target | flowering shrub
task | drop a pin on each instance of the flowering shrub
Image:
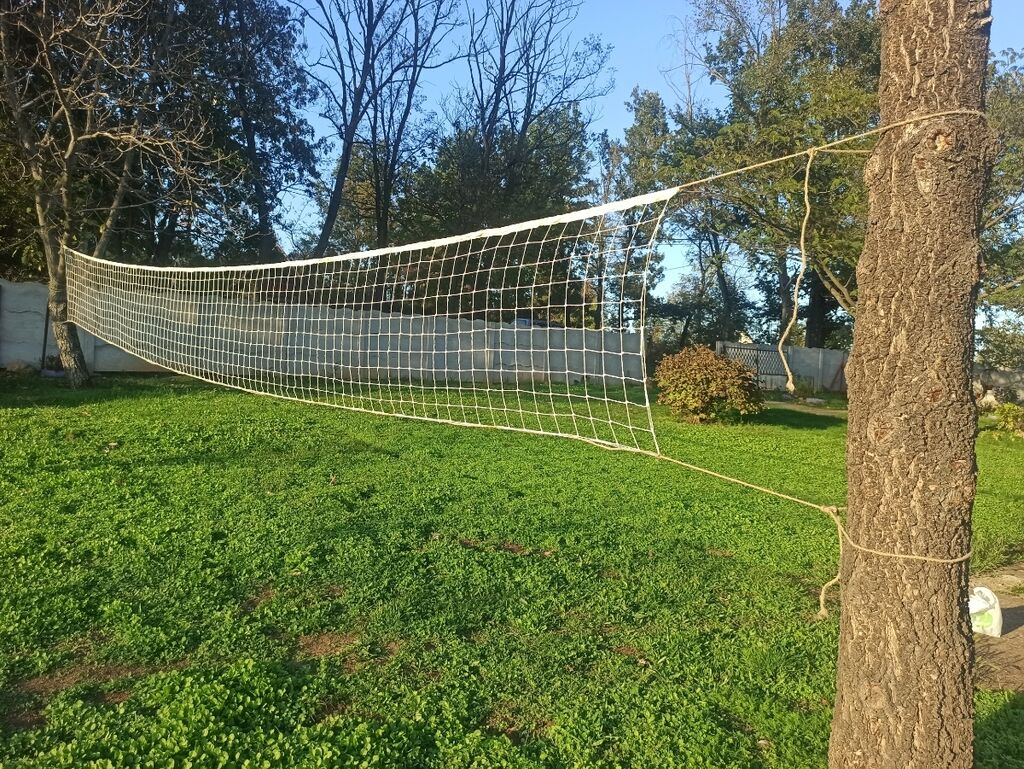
(1010, 417)
(697, 384)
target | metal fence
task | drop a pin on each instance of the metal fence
(761, 361)
(816, 367)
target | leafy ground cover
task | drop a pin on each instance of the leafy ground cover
(199, 577)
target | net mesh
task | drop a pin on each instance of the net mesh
(537, 327)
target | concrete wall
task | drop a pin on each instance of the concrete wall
(23, 322)
(226, 338)
(825, 369)
(1008, 379)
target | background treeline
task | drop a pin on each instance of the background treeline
(237, 131)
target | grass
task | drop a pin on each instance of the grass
(200, 577)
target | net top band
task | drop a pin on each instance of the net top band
(659, 196)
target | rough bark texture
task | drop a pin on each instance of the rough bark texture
(904, 688)
(66, 335)
(64, 332)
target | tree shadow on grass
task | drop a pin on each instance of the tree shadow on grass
(33, 391)
(999, 731)
(781, 416)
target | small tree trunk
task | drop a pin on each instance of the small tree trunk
(382, 212)
(66, 334)
(817, 311)
(785, 291)
(337, 196)
(904, 691)
(728, 328)
(165, 238)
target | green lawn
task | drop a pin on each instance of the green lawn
(192, 576)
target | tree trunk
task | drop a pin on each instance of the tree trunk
(785, 291)
(64, 332)
(382, 212)
(165, 238)
(266, 239)
(337, 194)
(729, 322)
(904, 688)
(817, 311)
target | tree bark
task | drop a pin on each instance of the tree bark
(728, 328)
(904, 688)
(337, 192)
(266, 239)
(64, 332)
(785, 291)
(165, 238)
(817, 311)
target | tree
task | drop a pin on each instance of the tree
(904, 684)
(526, 75)
(93, 94)
(256, 84)
(645, 166)
(454, 196)
(20, 253)
(1001, 344)
(366, 50)
(1003, 240)
(541, 174)
(388, 134)
(798, 73)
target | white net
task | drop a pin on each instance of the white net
(536, 327)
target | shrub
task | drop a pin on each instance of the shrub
(698, 384)
(1010, 417)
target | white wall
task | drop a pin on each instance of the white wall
(1009, 379)
(825, 369)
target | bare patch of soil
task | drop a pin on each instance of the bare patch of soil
(327, 644)
(31, 691)
(49, 684)
(264, 595)
(22, 721)
(626, 650)
(502, 720)
(113, 698)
